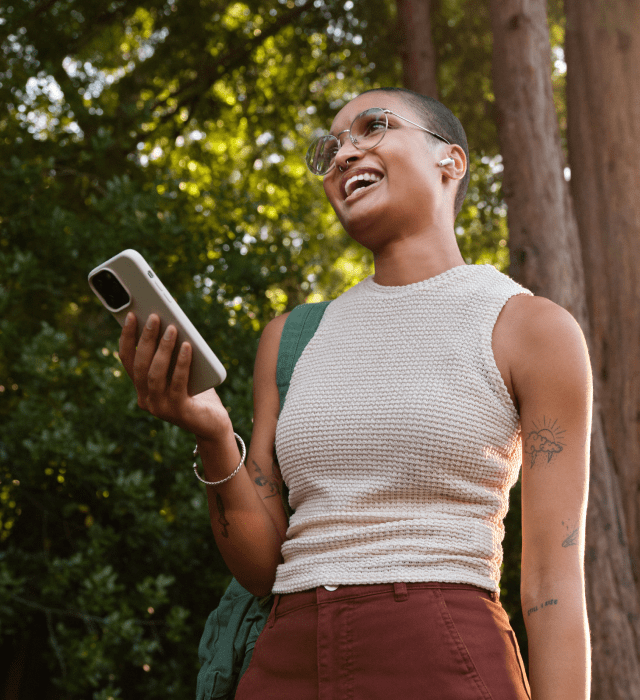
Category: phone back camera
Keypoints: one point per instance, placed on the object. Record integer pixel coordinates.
(110, 289)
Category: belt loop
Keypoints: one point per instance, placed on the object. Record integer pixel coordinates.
(271, 620)
(496, 596)
(400, 593)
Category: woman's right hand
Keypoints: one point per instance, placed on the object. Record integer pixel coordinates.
(203, 415)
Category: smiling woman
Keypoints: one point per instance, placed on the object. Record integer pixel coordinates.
(401, 437)
(399, 442)
(417, 182)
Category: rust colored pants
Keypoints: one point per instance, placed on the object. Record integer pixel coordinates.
(395, 641)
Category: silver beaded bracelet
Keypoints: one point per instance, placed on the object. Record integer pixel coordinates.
(237, 469)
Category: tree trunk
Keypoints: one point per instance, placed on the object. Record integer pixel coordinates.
(546, 257)
(416, 46)
(603, 95)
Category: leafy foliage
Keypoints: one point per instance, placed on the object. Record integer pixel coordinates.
(174, 127)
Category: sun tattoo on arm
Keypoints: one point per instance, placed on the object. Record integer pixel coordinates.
(544, 440)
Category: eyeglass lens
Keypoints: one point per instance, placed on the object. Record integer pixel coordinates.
(366, 132)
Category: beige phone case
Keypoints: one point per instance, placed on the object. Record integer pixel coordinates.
(147, 295)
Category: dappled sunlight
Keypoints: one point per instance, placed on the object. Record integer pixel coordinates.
(179, 130)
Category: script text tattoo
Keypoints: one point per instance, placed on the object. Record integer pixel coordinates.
(545, 604)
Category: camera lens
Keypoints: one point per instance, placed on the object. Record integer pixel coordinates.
(110, 289)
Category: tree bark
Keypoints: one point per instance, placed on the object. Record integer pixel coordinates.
(603, 96)
(546, 257)
(416, 46)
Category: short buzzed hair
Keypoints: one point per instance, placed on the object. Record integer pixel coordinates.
(443, 121)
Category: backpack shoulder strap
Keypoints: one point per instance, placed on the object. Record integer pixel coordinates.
(299, 328)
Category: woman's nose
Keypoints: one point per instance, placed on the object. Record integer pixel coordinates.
(346, 152)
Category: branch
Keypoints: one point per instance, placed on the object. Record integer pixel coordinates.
(224, 64)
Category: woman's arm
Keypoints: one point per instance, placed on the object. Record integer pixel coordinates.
(552, 380)
(248, 523)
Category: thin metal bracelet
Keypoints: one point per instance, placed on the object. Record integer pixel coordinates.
(237, 469)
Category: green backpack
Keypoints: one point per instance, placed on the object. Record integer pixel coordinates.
(232, 629)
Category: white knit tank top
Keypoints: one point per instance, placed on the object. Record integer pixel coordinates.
(398, 439)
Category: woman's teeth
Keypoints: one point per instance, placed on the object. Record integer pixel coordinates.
(352, 185)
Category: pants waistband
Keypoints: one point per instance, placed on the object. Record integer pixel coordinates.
(287, 602)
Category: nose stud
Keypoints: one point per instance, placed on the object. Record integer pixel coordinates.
(340, 168)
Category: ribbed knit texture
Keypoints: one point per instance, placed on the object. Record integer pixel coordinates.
(398, 439)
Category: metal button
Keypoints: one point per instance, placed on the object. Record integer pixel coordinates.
(331, 588)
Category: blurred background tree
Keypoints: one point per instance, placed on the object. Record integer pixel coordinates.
(178, 128)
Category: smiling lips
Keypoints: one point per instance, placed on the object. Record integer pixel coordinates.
(358, 180)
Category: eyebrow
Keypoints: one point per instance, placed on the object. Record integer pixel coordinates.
(359, 113)
(340, 132)
(331, 131)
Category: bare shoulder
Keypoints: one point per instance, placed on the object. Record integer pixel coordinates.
(270, 345)
(277, 324)
(536, 322)
(540, 336)
(522, 309)
(265, 389)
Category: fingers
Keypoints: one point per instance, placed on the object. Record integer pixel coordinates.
(131, 359)
(157, 374)
(127, 343)
(147, 362)
(180, 379)
(143, 357)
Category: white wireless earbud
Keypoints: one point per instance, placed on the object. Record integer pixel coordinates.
(446, 161)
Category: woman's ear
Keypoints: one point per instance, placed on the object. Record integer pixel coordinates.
(454, 163)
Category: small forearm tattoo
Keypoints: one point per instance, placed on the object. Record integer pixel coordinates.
(273, 481)
(544, 440)
(222, 519)
(572, 532)
(547, 603)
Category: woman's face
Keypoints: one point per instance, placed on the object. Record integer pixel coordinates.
(408, 194)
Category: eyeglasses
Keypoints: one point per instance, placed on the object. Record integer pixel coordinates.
(366, 132)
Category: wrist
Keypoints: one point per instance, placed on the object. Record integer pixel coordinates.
(222, 435)
(218, 457)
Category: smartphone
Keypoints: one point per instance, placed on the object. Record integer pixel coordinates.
(127, 283)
